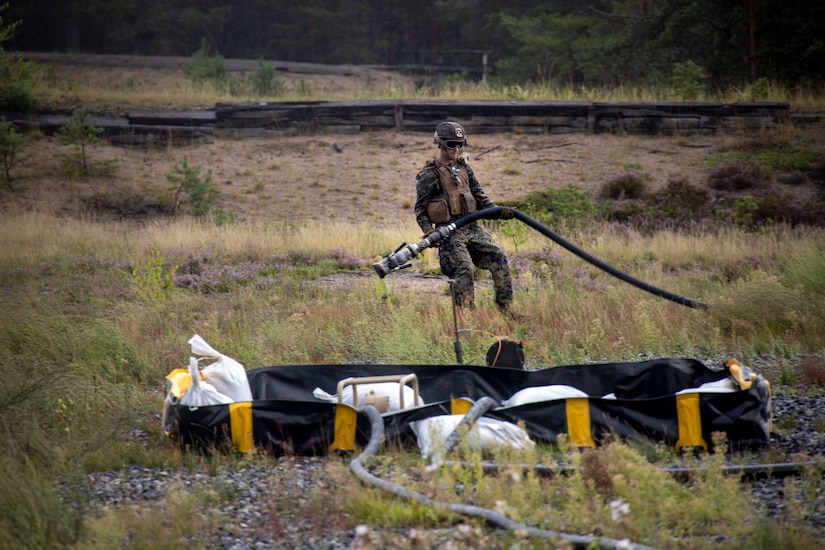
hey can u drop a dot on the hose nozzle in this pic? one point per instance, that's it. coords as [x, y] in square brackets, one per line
[400, 258]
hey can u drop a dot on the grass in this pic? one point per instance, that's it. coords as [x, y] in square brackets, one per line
[96, 313]
[137, 89]
[93, 326]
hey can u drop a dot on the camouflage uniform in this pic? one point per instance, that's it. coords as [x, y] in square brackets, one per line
[467, 246]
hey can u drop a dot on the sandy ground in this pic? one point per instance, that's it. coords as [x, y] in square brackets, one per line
[371, 179]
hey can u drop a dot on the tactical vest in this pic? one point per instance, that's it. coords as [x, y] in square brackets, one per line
[455, 200]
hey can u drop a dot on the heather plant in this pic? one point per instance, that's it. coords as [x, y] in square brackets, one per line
[737, 175]
[680, 200]
[629, 184]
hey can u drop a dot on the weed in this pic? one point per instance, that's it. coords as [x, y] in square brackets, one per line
[151, 280]
[813, 371]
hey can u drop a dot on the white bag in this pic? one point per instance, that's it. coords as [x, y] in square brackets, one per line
[200, 393]
[392, 390]
[486, 433]
[226, 375]
[537, 394]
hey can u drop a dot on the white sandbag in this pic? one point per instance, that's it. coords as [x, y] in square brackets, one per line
[225, 374]
[486, 434]
[391, 390]
[201, 393]
[537, 394]
[725, 385]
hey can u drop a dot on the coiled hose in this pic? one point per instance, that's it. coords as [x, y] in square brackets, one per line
[357, 467]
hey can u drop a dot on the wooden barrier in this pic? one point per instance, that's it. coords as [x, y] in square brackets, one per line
[142, 127]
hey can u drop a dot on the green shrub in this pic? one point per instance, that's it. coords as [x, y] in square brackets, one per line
[207, 68]
[687, 80]
[569, 203]
[16, 75]
[744, 211]
[265, 80]
[79, 131]
[188, 180]
[11, 145]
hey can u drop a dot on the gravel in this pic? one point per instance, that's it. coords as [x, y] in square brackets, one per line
[275, 503]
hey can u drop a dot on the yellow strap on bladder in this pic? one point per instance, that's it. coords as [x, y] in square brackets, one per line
[240, 422]
[741, 374]
[345, 422]
[460, 406]
[578, 422]
[690, 421]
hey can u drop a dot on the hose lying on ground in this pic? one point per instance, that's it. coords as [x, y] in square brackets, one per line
[376, 434]
[400, 258]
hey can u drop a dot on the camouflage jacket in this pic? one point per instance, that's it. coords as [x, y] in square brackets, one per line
[430, 187]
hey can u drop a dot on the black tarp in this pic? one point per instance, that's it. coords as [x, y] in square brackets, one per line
[633, 400]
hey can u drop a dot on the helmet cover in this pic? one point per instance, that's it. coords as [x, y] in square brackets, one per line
[449, 131]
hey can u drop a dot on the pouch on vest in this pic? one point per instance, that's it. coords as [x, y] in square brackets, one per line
[438, 212]
[468, 203]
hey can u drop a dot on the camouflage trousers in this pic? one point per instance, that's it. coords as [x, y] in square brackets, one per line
[469, 247]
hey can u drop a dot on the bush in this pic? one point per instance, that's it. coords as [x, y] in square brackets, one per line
[17, 77]
[568, 202]
[187, 180]
[207, 68]
[737, 175]
[629, 184]
[80, 132]
[687, 80]
[265, 80]
[681, 201]
[11, 145]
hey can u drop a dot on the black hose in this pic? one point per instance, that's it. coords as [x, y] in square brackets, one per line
[476, 411]
[376, 434]
[495, 212]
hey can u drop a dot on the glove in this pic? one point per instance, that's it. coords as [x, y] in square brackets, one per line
[506, 214]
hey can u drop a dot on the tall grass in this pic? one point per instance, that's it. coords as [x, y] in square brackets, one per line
[95, 316]
[181, 93]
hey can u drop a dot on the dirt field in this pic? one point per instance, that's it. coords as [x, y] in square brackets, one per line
[371, 180]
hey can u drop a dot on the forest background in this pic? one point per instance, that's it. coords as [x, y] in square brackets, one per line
[599, 43]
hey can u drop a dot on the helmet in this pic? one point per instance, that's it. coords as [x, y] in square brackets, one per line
[449, 131]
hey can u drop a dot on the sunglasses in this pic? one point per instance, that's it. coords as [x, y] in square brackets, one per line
[454, 144]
